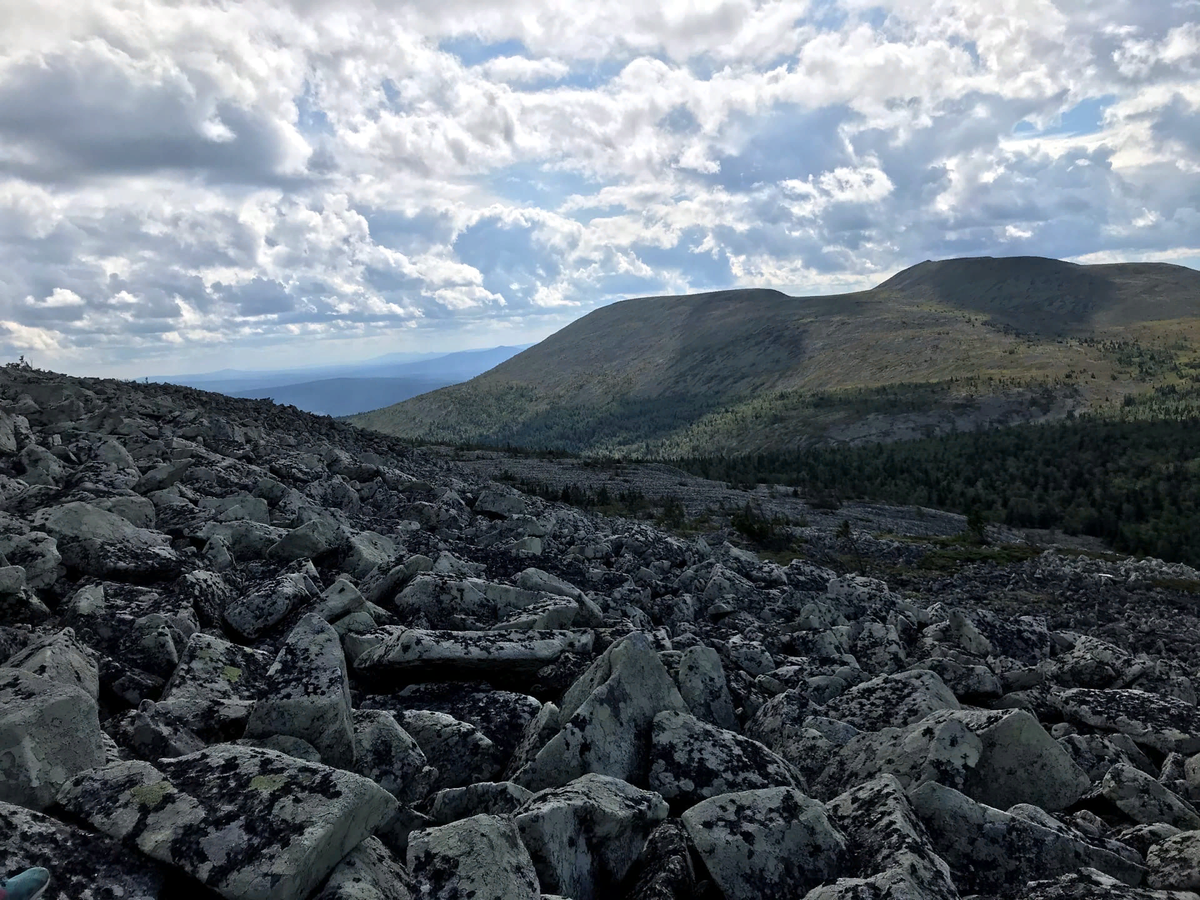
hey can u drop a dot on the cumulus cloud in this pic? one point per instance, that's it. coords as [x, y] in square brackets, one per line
[186, 184]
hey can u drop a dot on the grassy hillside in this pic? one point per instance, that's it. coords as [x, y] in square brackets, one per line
[940, 347]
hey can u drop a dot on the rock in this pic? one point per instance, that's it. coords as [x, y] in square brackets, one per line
[1164, 724]
[892, 700]
[214, 687]
[1175, 862]
[892, 854]
[364, 551]
[544, 583]
[584, 837]
[703, 687]
[1091, 884]
[370, 872]
[1145, 800]
[308, 694]
[691, 760]
[772, 843]
[146, 733]
[1096, 755]
[500, 506]
[606, 716]
[253, 824]
[664, 871]
[312, 540]
[63, 658]
[49, 732]
[389, 756]
[338, 600]
[94, 542]
[257, 613]
[459, 752]
[480, 858]
[990, 851]
[466, 654]
[494, 798]
[85, 866]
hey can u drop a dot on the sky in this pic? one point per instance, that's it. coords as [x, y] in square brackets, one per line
[188, 185]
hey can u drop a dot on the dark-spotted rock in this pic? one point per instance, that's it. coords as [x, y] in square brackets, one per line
[480, 858]
[768, 844]
[253, 824]
[892, 701]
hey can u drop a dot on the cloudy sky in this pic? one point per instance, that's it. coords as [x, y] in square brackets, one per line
[192, 184]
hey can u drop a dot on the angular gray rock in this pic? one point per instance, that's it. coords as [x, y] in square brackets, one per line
[307, 694]
[691, 761]
[480, 858]
[389, 756]
[606, 717]
[1175, 862]
[253, 824]
[459, 751]
[584, 837]
[892, 701]
[49, 732]
[1164, 724]
[990, 851]
[462, 654]
[257, 613]
[493, 798]
[215, 685]
[773, 843]
[702, 685]
[369, 872]
[63, 658]
[1145, 800]
[95, 542]
[85, 866]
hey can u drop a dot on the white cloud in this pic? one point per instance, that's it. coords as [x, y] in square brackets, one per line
[181, 176]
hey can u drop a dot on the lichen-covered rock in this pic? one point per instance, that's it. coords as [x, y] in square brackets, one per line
[214, 687]
[990, 851]
[493, 798]
[312, 540]
[768, 844]
[1145, 800]
[1162, 723]
[148, 733]
[251, 823]
[691, 760]
[890, 854]
[1092, 884]
[703, 687]
[257, 613]
[459, 752]
[1175, 862]
[49, 732]
[63, 658]
[307, 694]
[606, 716]
[85, 866]
[585, 836]
[92, 541]
[664, 871]
[370, 872]
[466, 654]
[480, 858]
[389, 756]
[892, 701]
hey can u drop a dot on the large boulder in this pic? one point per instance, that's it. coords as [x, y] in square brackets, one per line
[1145, 800]
[606, 716]
[891, 854]
[307, 694]
[459, 752]
[702, 685]
[691, 760]
[389, 756]
[767, 844]
[253, 824]
[84, 866]
[892, 701]
[49, 732]
[61, 657]
[585, 836]
[990, 851]
[480, 858]
[94, 542]
[421, 654]
[1175, 862]
[1162, 723]
[214, 687]
[255, 614]
[370, 872]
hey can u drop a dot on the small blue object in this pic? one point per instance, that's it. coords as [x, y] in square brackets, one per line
[26, 886]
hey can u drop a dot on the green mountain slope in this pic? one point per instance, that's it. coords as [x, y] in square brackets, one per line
[941, 346]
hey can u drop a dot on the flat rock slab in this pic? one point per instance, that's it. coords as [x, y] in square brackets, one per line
[82, 865]
[1163, 723]
[770, 844]
[467, 654]
[96, 542]
[253, 824]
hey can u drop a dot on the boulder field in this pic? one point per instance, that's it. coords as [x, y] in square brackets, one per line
[251, 653]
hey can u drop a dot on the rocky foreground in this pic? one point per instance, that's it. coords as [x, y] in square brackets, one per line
[253, 653]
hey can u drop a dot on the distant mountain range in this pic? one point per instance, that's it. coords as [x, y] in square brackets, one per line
[343, 390]
[942, 346]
